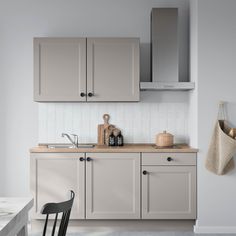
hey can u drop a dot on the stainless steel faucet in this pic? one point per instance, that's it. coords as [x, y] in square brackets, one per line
[74, 141]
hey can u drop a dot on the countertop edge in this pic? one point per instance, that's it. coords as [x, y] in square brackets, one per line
[128, 148]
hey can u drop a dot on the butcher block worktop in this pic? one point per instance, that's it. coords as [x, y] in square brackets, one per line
[181, 148]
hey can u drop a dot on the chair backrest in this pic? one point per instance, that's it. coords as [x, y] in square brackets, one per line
[56, 208]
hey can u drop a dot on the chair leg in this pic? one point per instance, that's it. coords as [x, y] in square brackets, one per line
[45, 226]
[54, 225]
[66, 223]
[62, 224]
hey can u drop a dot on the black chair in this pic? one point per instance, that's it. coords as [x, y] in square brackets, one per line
[56, 208]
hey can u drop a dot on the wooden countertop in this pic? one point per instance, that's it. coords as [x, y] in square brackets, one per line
[42, 148]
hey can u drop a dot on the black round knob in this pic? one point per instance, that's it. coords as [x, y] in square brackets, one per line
[81, 159]
[89, 159]
[144, 172]
[82, 94]
[169, 159]
[90, 94]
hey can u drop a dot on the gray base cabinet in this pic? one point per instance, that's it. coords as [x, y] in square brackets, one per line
[86, 69]
[113, 186]
[168, 186]
[52, 176]
[117, 185]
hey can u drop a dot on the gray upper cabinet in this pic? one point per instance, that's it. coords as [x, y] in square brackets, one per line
[59, 69]
[113, 69]
[80, 69]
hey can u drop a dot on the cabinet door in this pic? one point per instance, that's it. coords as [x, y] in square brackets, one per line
[59, 69]
[169, 192]
[52, 176]
[113, 186]
[113, 69]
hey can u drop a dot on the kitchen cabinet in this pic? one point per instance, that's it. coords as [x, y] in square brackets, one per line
[86, 69]
[113, 69]
[53, 175]
[59, 69]
[113, 186]
[169, 186]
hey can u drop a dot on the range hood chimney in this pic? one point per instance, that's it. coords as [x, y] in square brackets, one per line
[165, 52]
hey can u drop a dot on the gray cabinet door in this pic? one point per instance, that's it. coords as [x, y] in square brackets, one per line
[52, 176]
[113, 186]
[169, 192]
[113, 69]
[59, 69]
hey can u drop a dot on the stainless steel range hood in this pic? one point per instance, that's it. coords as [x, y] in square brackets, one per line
[165, 52]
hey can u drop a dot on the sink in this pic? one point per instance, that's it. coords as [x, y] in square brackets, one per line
[70, 146]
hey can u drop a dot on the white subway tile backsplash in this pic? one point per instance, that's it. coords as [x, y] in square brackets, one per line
[139, 122]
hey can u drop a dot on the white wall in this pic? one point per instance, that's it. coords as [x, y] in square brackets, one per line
[18, 112]
[20, 21]
[2, 127]
[215, 23]
[193, 94]
[138, 121]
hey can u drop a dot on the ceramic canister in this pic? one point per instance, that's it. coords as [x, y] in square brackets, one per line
[164, 139]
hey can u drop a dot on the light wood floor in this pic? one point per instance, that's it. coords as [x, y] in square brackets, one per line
[125, 228]
[134, 233]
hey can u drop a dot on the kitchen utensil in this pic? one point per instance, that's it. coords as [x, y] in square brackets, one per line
[119, 140]
[101, 134]
[164, 139]
[106, 118]
[108, 131]
[112, 140]
[101, 129]
[104, 130]
[116, 132]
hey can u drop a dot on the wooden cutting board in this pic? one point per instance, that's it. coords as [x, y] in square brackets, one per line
[101, 129]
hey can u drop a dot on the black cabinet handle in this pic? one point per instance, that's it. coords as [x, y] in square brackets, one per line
[81, 159]
[89, 159]
[90, 94]
[82, 94]
[169, 159]
[144, 172]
